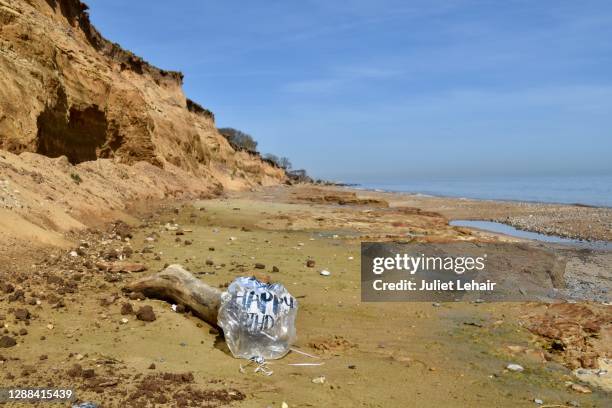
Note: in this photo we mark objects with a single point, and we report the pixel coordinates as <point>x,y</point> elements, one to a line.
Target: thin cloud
<point>341,78</point>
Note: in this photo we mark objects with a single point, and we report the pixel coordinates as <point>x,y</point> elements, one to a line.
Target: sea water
<point>585,190</point>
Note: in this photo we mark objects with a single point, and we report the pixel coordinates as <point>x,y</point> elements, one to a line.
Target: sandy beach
<point>78,330</point>
<point>111,175</point>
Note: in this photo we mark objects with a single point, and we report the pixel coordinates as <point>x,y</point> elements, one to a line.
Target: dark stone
<point>22,314</point>
<point>137,296</point>
<point>146,314</point>
<point>127,309</point>
<point>6,342</point>
<point>88,373</point>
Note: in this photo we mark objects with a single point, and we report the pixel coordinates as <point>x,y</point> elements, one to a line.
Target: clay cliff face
<point>67,91</point>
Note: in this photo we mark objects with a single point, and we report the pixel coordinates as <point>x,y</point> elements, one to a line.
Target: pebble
<point>6,342</point>
<point>22,314</point>
<point>137,296</point>
<point>127,309</point>
<point>325,272</point>
<point>146,314</point>
<point>88,373</point>
<point>514,367</point>
<point>260,266</point>
<point>310,263</point>
<point>538,401</point>
<point>319,380</point>
<point>124,320</point>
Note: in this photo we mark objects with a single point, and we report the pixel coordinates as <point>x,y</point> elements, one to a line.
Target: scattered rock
<point>319,380</point>
<point>75,371</point>
<point>22,314</point>
<point>7,287</point>
<point>146,314</point>
<point>122,229</point>
<point>88,373</point>
<point>310,263</point>
<point>514,368</point>
<point>137,296</point>
<point>260,266</point>
<point>127,309</point>
<point>6,342</point>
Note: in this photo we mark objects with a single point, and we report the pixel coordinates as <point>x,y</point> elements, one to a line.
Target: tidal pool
<point>505,229</point>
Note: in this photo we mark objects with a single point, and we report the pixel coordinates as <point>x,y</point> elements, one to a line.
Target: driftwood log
<point>179,286</point>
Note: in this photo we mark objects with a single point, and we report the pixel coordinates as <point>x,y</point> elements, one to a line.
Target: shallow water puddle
<point>505,229</point>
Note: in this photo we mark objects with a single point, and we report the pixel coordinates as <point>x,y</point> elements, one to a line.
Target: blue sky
<point>389,90</point>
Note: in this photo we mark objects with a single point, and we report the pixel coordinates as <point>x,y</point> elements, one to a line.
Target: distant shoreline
<point>360,187</point>
<point>566,220</point>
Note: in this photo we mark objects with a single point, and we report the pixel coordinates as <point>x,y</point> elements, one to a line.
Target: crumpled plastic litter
<point>86,405</point>
<point>258,319</point>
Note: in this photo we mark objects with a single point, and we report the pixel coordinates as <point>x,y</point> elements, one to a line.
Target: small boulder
<point>6,342</point>
<point>127,309</point>
<point>22,314</point>
<point>146,314</point>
